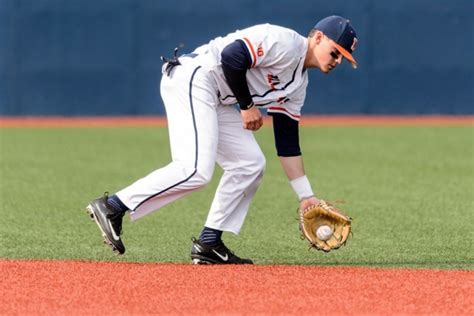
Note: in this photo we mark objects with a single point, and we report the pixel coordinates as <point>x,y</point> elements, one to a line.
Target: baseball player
<point>263,66</point>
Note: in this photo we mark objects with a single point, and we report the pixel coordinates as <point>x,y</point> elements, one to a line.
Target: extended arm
<point>286,131</point>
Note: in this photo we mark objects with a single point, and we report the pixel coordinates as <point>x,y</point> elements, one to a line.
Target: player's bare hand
<point>252,118</point>
<point>305,203</point>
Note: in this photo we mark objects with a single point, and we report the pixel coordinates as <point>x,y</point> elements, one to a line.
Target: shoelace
<point>223,247</point>
<point>171,63</point>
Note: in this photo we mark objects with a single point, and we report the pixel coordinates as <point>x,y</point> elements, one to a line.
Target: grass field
<point>410,191</point>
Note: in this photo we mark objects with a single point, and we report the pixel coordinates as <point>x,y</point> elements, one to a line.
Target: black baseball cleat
<point>220,254</point>
<point>109,222</point>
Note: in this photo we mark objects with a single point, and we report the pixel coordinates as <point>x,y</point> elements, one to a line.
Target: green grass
<point>409,189</point>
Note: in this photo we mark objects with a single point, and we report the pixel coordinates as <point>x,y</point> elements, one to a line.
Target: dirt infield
<point>80,287</point>
<point>61,122</point>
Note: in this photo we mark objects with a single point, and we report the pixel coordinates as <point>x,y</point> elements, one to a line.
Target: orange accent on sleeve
<point>254,56</point>
<point>282,110</point>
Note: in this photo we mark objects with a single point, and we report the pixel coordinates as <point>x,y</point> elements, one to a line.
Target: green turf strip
<point>410,191</point>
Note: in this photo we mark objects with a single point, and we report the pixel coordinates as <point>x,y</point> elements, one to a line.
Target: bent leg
<point>243,163</point>
<point>192,123</point>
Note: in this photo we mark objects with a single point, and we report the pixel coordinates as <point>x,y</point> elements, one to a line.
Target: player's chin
<point>327,69</point>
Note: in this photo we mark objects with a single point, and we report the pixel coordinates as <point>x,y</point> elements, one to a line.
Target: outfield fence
<point>101,57</point>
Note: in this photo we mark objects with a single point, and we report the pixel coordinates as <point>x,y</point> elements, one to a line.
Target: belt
<point>173,62</point>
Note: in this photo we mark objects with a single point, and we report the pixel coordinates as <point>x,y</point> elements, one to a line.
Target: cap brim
<point>346,55</point>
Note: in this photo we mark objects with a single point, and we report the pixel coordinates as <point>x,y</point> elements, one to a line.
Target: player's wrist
<point>302,188</point>
<point>247,107</point>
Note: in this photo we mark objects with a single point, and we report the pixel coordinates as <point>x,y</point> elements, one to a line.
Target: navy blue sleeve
<point>236,56</point>
<point>286,132</point>
<point>235,59</point>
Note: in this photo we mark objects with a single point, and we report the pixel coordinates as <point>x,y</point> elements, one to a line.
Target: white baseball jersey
<point>204,129</point>
<point>276,79</point>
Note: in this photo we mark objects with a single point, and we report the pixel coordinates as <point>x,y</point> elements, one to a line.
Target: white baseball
<point>324,232</point>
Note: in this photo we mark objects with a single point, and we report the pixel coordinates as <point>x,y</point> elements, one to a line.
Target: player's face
<point>327,54</point>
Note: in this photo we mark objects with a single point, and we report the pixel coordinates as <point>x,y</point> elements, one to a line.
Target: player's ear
<point>318,37</point>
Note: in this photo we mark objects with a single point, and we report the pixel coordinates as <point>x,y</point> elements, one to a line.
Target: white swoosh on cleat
<point>225,258</point>
<point>197,247</point>
<point>114,235</point>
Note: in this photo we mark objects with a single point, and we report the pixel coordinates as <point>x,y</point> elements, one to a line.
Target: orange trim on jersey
<point>254,56</point>
<point>283,111</point>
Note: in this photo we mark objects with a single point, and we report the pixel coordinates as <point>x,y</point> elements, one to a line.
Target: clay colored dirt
<point>80,287</point>
<point>143,121</point>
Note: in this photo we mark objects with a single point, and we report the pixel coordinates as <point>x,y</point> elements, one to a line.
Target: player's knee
<point>252,173</point>
<point>202,176</point>
<point>260,164</point>
<point>196,177</point>
<point>257,166</point>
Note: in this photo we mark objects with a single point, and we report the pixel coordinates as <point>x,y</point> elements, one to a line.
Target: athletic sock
<point>210,236</point>
<point>116,204</point>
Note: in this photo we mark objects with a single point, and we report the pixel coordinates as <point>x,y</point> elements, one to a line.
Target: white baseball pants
<point>202,131</point>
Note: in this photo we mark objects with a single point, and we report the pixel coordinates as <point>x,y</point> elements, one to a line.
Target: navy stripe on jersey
<point>273,89</point>
<point>195,141</point>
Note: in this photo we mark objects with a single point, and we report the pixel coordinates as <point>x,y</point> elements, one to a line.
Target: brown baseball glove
<point>324,226</point>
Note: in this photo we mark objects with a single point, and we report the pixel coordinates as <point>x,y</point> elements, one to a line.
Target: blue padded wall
<point>101,57</point>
